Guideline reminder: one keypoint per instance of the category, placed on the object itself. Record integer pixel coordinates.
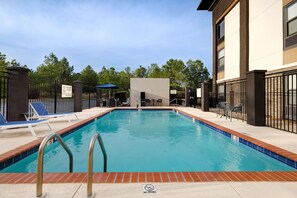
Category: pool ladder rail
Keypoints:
(97, 136)
(39, 181)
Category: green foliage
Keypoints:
(55, 69)
(140, 72)
(191, 74)
(195, 73)
(173, 69)
(3, 63)
(124, 78)
(89, 78)
(107, 75)
(154, 71)
(75, 77)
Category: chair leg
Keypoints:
(69, 120)
(49, 126)
(76, 116)
(32, 130)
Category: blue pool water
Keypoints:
(152, 141)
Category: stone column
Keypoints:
(204, 97)
(78, 87)
(18, 92)
(256, 97)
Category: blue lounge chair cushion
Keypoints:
(17, 124)
(41, 112)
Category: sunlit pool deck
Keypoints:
(173, 184)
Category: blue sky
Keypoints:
(116, 33)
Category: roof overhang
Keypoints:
(207, 4)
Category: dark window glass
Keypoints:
(221, 31)
(221, 93)
(290, 21)
(292, 27)
(221, 60)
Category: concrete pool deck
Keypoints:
(12, 139)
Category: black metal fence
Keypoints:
(49, 92)
(234, 94)
(89, 97)
(4, 81)
(178, 98)
(280, 101)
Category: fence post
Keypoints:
(55, 99)
(204, 97)
(89, 99)
(98, 97)
(18, 92)
(256, 97)
(187, 96)
(78, 96)
(231, 97)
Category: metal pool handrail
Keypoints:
(90, 162)
(39, 181)
(173, 100)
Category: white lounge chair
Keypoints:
(41, 113)
(19, 124)
(127, 103)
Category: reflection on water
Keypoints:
(152, 141)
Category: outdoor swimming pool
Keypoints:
(152, 141)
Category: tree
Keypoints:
(89, 78)
(108, 75)
(55, 69)
(3, 62)
(140, 72)
(154, 71)
(195, 73)
(124, 78)
(173, 69)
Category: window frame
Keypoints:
(221, 96)
(220, 67)
(290, 41)
(294, 19)
(219, 37)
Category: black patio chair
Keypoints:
(148, 102)
(159, 102)
(221, 106)
(237, 109)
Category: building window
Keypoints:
(221, 60)
(221, 31)
(291, 24)
(221, 93)
(292, 19)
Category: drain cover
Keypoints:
(149, 188)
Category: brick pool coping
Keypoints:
(134, 177)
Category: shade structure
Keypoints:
(108, 86)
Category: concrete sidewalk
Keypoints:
(172, 190)
(279, 138)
